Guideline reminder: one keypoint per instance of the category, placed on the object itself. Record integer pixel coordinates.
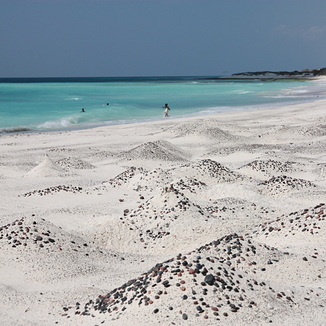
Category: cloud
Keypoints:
(310, 33)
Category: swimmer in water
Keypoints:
(167, 109)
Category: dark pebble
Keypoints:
(209, 279)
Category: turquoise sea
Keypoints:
(43, 104)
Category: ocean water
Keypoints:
(55, 103)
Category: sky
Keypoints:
(115, 38)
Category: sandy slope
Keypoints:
(208, 220)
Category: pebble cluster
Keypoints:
(69, 163)
(125, 176)
(53, 190)
(271, 166)
(209, 169)
(194, 173)
(189, 184)
(152, 220)
(60, 150)
(219, 208)
(26, 232)
(251, 148)
(150, 180)
(283, 184)
(309, 220)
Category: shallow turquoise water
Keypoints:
(56, 104)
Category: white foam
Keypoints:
(61, 123)
(245, 92)
(74, 99)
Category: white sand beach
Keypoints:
(209, 220)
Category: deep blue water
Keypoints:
(55, 103)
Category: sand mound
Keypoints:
(46, 169)
(156, 150)
(73, 163)
(152, 180)
(269, 167)
(235, 208)
(307, 224)
(295, 132)
(229, 280)
(206, 128)
(158, 225)
(125, 177)
(207, 171)
(301, 234)
(55, 249)
(283, 184)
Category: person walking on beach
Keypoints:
(167, 109)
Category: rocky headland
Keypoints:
(305, 73)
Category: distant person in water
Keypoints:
(83, 110)
(107, 103)
(167, 109)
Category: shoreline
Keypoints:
(138, 222)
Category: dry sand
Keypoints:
(211, 220)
